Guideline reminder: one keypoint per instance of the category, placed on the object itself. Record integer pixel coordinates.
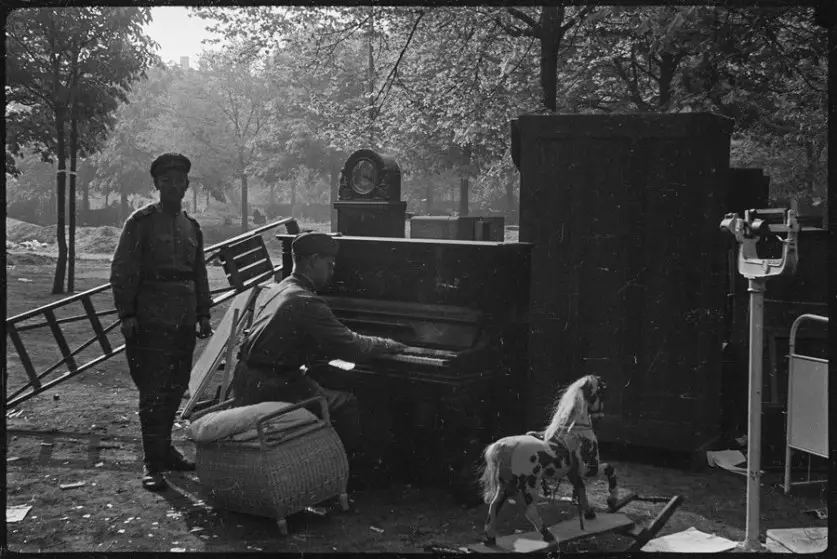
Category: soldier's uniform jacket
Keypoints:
(292, 326)
(158, 272)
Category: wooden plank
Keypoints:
(532, 542)
(97, 325)
(24, 356)
(650, 531)
(210, 358)
(60, 339)
(231, 268)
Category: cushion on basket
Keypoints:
(227, 423)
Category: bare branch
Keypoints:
(389, 79)
(577, 19)
(525, 18)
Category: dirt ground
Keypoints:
(86, 430)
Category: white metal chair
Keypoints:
(807, 419)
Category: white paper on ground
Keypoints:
(690, 541)
(340, 364)
(17, 512)
(730, 460)
(801, 540)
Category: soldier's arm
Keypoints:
(333, 336)
(201, 280)
(125, 269)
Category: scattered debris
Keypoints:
(121, 531)
(86, 516)
(178, 550)
(25, 280)
(17, 513)
(14, 414)
(12, 458)
(56, 397)
(376, 529)
(690, 541)
(47, 444)
(99, 465)
(196, 529)
(822, 513)
(73, 485)
(730, 460)
(319, 511)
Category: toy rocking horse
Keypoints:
(567, 448)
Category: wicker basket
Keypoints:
(276, 478)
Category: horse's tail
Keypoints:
(490, 479)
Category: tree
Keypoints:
(222, 111)
(445, 81)
(64, 65)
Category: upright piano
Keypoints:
(462, 308)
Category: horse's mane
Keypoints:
(569, 405)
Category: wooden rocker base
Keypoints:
(569, 530)
(532, 542)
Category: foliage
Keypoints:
(69, 68)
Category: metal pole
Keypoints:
(756, 289)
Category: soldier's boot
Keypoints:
(153, 447)
(174, 459)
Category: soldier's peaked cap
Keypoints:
(170, 161)
(315, 243)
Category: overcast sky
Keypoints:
(177, 33)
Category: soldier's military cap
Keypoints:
(170, 161)
(315, 243)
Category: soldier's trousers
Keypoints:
(253, 385)
(160, 361)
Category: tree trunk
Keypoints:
(244, 223)
(107, 196)
(464, 181)
(85, 196)
(510, 209)
(463, 196)
(668, 65)
(293, 195)
(551, 34)
(428, 197)
(206, 209)
(195, 198)
(71, 209)
(272, 193)
(335, 192)
(123, 205)
(60, 185)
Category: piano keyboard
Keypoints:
(421, 356)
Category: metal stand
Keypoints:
(757, 270)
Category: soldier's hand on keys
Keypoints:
(130, 327)
(395, 347)
(204, 328)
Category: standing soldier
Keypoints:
(161, 292)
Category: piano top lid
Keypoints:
(410, 240)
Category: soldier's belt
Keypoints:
(169, 277)
(274, 369)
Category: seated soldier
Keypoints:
(292, 327)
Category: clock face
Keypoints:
(364, 177)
